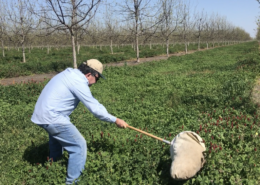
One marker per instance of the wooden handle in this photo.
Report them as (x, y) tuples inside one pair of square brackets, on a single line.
[(150, 135)]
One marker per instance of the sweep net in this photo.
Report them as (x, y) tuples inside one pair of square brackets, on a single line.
[(187, 155)]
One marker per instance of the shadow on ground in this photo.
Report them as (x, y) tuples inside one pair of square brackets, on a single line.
[(36, 154)]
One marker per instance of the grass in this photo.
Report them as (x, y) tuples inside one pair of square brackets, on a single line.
[(192, 92), (39, 61)]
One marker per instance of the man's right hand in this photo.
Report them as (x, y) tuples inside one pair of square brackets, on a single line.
[(121, 123)]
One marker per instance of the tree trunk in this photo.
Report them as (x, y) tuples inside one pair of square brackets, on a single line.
[(78, 47), (186, 47), (199, 43), (137, 47), (74, 52), (150, 45), (48, 49), (3, 48), (167, 47), (24, 60), (111, 46), (207, 45)]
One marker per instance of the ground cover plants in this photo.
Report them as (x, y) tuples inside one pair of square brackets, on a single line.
[(206, 92), (58, 58)]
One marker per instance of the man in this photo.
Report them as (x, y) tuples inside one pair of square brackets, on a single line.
[(57, 101)]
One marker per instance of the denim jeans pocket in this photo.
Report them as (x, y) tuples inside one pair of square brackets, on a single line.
[(50, 128)]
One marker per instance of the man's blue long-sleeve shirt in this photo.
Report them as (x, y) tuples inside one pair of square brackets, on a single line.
[(61, 96)]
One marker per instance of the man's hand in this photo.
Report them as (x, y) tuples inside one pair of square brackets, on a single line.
[(121, 123)]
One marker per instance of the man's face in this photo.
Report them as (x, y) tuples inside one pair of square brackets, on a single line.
[(92, 79)]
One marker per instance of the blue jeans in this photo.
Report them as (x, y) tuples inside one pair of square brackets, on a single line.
[(67, 136)]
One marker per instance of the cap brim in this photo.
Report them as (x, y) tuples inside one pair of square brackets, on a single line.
[(101, 76)]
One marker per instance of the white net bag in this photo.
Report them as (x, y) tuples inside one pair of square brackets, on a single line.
[(187, 155)]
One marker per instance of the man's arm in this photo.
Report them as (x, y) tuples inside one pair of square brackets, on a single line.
[(97, 109)]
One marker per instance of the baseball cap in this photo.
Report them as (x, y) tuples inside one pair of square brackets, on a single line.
[(96, 65)]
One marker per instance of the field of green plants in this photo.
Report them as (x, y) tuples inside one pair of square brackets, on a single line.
[(207, 92), (39, 61)]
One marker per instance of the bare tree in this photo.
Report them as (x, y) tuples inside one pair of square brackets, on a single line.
[(210, 30), (224, 28), (187, 24), (200, 19), (220, 27), (170, 19), (94, 33), (21, 22), (79, 37), (136, 13), (111, 26), (68, 15)]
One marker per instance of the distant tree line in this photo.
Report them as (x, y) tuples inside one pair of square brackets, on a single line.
[(58, 23)]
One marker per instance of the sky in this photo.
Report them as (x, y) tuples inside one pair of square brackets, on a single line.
[(241, 13)]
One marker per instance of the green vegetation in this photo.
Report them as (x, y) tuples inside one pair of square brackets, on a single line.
[(38, 61), (206, 92)]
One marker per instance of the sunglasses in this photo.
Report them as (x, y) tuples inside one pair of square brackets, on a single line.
[(97, 78)]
